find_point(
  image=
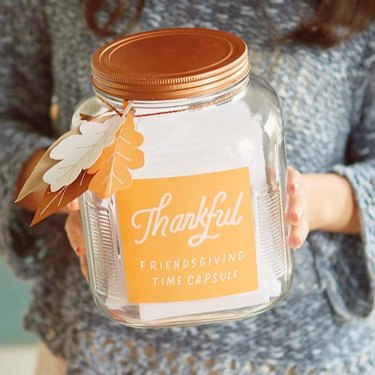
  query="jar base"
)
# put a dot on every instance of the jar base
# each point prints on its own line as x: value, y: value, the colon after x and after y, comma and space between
x: 129, y: 315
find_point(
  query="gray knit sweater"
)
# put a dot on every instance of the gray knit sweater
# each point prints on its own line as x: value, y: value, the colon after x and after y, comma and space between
x: 327, y: 323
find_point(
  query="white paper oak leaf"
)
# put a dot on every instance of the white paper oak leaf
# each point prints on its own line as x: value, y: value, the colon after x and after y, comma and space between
x: 79, y: 152
x: 35, y: 181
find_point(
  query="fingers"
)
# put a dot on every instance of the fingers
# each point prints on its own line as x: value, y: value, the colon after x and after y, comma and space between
x: 296, y: 212
x: 294, y: 181
x: 298, y: 234
x: 83, y: 264
x: 73, y: 206
x: 74, y: 232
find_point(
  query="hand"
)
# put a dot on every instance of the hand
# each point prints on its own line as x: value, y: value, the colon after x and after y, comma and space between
x: 297, y: 215
x: 73, y: 228
x: 320, y: 201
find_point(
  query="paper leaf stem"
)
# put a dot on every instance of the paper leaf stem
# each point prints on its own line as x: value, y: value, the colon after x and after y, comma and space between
x: 99, y: 117
x: 35, y: 181
x: 54, y: 201
x: 79, y: 152
x: 112, y: 168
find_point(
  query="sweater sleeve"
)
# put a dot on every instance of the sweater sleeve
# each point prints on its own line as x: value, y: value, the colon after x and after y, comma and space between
x: 348, y: 274
x: 25, y: 126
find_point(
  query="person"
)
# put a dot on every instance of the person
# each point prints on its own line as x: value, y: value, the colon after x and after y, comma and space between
x: 324, y: 72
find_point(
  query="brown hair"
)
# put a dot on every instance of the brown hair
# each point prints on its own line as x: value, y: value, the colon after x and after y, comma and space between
x: 333, y: 21
x: 93, y: 6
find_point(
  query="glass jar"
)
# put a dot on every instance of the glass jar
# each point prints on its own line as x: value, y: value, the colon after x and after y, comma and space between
x: 199, y: 236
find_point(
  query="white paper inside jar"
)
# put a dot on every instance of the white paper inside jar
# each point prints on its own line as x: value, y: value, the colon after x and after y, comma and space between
x: 211, y: 140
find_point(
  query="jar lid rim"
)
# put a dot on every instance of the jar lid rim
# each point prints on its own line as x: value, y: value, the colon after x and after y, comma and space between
x: 170, y: 64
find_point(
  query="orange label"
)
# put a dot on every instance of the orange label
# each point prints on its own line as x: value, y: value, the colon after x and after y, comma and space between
x: 188, y: 238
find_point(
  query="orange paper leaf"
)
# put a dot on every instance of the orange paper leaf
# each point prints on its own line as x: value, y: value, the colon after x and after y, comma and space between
x: 112, y: 168
x: 53, y: 201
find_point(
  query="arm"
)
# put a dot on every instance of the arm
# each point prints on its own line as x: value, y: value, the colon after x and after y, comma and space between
x: 25, y: 127
x: 341, y: 205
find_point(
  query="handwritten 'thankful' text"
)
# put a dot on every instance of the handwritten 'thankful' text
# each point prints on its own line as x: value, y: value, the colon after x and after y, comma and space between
x: 208, y: 219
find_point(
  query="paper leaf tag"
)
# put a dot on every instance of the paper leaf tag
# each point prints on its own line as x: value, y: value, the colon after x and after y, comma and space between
x: 54, y: 201
x: 112, y: 168
x: 35, y: 181
x: 79, y: 152
x: 100, y: 149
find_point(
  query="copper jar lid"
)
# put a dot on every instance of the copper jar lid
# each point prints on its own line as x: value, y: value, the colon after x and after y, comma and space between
x: 170, y: 64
